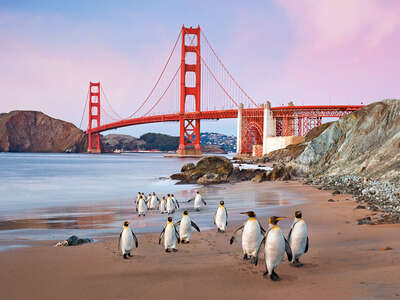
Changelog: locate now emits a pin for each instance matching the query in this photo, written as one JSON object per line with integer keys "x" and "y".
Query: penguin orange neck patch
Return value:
{"x": 252, "y": 219}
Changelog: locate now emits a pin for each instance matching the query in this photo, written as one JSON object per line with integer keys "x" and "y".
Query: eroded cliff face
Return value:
{"x": 33, "y": 131}
{"x": 364, "y": 143}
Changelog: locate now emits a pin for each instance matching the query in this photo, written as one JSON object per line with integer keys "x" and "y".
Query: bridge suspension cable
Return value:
{"x": 159, "y": 77}
{"x": 84, "y": 109}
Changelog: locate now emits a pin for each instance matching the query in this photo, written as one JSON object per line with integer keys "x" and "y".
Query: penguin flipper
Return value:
{"x": 119, "y": 240}
{"x": 204, "y": 202}
{"x": 161, "y": 235}
{"x": 258, "y": 251}
{"x": 215, "y": 215}
{"x": 177, "y": 223}
{"x": 288, "y": 250}
{"x": 195, "y": 226}
{"x": 136, "y": 240}
{"x": 305, "y": 250}
{"x": 290, "y": 233}
{"x": 233, "y": 234}
{"x": 226, "y": 212}
{"x": 177, "y": 235}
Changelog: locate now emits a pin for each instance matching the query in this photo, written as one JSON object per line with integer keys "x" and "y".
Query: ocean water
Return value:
{"x": 53, "y": 196}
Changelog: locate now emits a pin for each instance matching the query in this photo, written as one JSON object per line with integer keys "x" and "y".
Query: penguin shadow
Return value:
{"x": 305, "y": 266}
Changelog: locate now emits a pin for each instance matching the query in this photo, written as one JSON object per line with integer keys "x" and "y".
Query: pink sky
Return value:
{"x": 309, "y": 52}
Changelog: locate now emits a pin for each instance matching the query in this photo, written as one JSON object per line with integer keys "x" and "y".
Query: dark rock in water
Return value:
{"x": 260, "y": 177}
{"x": 74, "y": 241}
{"x": 336, "y": 192}
{"x": 188, "y": 167}
{"x": 178, "y": 176}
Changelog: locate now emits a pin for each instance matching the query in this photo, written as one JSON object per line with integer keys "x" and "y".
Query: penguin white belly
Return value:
{"x": 170, "y": 206}
{"x": 169, "y": 237}
{"x": 274, "y": 248}
{"x": 153, "y": 202}
{"x": 251, "y": 237}
{"x": 197, "y": 202}
{"x": 142, "y": 207}
{"x": 126, "y": 241}
{"x": 185, "y": 229}
{"x": 220, "y": 218}
{"x": 163, "y": 206}
{"x": 298, "y": 239}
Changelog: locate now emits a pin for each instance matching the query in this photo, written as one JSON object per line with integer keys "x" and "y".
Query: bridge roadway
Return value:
{"x": 278, "y": 112}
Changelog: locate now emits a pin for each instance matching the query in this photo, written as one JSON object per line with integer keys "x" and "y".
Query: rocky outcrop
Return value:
{"x": 212, "y": 149}
{"x": 33, "y": 131}
{"x": 209, "y": 170}
{"x": 364, "y": 143}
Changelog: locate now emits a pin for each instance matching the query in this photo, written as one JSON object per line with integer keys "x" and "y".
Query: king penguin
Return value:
{"x": 170, "y": 235}
{"x": 275, "y": 247}
{"x": 153, "y": 201}
{"x": 298, "y": 238}
{"x": 221, "y": 217}
{"x": 185, "y": 227}
{"x": 252, "y": 236}
{"x": 170, "y": 205}
{"x": 126, "y": 238}
{"x": 142, "y": 207}
{"x": 198, "y": 201}
{"x": 163, "y": 205}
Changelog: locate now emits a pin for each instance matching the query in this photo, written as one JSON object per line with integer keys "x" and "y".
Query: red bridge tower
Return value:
{"x": 94, "y": 117}
{"x": 189, "y": 143}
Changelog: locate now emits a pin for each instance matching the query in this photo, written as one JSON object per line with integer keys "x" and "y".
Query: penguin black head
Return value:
{"x": 197, "y": 192}
{"x": 250, "y": 213}
{"x": 154, "y": 193}
{"x": 172, "y": 195}
{"x": 167, "y": 195}
{"x": 163, "y": 197}
{"x": 274, "y": 220}
{"x": 185, "y": 212}
{"x": 221, "y": 202}
{"x": 298, "y": 214}
{"x": 126, "y": 224}
{"x": 169, "y": 219}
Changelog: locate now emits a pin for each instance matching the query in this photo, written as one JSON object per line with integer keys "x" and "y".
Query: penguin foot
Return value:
{"x": 265, "y": 273}
{"x": 245, "y": 257}
{"x": 125, "y": 256}
{"x": 254, "y": 260}
{"x": 167, "y": 250}
{"x": 130, "y": 255}
{"x": 274, "y": 276}
{"x": 182, "y": 241}
{"x": 175, "y": 250}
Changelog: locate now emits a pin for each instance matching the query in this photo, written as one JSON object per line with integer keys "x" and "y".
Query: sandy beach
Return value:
{"x": 345, "y": 261}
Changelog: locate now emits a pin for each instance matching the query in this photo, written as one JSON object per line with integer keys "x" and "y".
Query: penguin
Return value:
{"x": 153, "y": 201}
{"x": 170, "y": 204}
{"x": 298, "y": 238}
{"x": 252, "y": 236}
{"x": 275, "y": 247}
{"x": 221, "y": 217}
{"x": 175, "y": 201}
{"x": 126, "y": 238}
{"x": 197, "y": 201}
{"x": 142, "y": 207}
{"x": 163, "y": 205}
{"x": 137, "y": 197}
{"x": 170, "y": 235}
{"x": 185, "y": 227}
{"x": 148, "y": 200}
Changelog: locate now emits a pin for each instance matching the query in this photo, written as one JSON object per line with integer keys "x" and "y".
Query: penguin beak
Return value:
{"x": 281, "y": 218}
{"x": 244, "y": 213}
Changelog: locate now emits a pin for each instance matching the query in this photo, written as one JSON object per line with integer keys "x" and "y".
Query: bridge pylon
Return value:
{"x": 94, "y": 145}
{"x": 189, "y": 141}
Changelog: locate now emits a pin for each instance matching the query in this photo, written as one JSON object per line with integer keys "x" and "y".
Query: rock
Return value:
{"x": 178, "y": 176}
{"x": 260, "y": 177}
{"x": 336, "y": 192}
{"x": 366, "y": 220}
{"x": 280, "y": 172}
{"x": 210, "y": 178}
{"x": 74, "y": 241}
{"x": 33, "y": 131}
{"x": 188, "y": 167}
{"x": 360, "y": 207}
{"x": 215, "y": 164}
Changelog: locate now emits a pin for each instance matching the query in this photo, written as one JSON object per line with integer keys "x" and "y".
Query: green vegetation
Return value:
{"x": 160, "y": 141}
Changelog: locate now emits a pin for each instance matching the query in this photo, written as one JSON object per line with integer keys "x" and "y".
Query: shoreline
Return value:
{"x": 345, "y": 261}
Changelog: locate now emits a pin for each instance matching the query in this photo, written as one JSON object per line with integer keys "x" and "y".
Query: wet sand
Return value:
{"x": 345, "y": 261}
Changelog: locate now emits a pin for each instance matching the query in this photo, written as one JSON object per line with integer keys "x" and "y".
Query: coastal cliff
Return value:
{"x": 33, "y": 131}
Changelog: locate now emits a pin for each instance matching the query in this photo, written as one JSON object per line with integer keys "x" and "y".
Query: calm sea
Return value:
{"x": 53, "y": 196}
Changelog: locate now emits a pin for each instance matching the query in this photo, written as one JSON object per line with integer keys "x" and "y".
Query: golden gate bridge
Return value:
{"x": 195, "y": 85}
